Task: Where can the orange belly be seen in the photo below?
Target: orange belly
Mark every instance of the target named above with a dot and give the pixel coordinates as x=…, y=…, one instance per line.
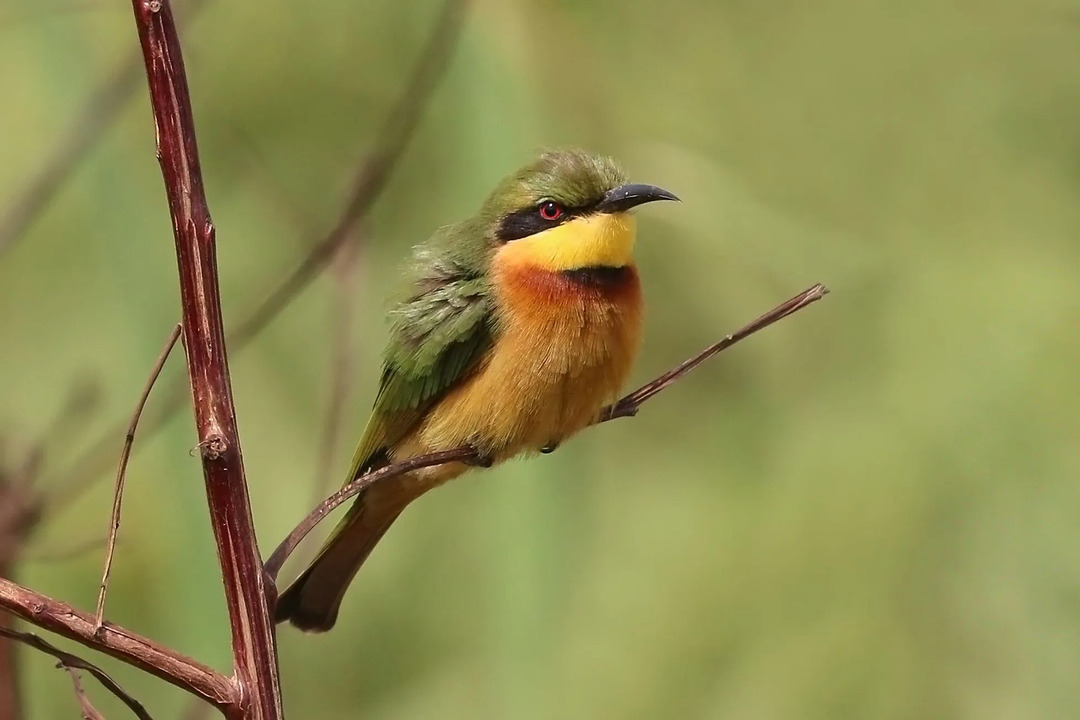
x=563, y=351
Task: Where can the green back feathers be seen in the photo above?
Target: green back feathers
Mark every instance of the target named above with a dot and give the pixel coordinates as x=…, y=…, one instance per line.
x=438, y=334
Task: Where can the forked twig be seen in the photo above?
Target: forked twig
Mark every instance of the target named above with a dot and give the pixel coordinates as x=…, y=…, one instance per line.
x=120, y=643
x=625, y=407
x=73, y=662
x=121, y=470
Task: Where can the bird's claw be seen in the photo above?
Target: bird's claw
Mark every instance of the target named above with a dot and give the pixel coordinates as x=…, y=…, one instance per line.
x=480, y=460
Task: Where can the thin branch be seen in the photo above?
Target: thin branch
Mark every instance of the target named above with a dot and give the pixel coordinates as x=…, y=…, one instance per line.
x=253, y=639
x=371, y=177
x=625, y=407
x=86, y=707
x=121, y=471
x=73, y=662
x=628, y=406
x=465, y=453
x=120, y=643
x=97, y=115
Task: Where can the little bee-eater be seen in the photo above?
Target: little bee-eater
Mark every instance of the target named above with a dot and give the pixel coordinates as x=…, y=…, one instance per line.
x=521, y=324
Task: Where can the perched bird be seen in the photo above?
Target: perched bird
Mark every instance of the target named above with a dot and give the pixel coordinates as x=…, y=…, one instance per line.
x=521, y=324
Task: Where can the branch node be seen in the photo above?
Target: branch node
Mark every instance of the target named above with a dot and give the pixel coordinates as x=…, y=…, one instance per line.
x=214, y=447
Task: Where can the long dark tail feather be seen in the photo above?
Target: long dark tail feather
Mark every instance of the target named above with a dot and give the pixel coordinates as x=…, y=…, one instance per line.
x=311, y=603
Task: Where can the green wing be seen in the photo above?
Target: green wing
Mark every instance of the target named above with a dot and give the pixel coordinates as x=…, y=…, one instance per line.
x=437, y=338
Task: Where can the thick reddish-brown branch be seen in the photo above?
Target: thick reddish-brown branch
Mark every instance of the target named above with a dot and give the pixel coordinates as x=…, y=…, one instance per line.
x=253, y=640
x=626, y=407
x=135, y=650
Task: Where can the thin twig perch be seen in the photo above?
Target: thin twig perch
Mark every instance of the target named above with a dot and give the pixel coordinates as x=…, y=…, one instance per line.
x=626, y=407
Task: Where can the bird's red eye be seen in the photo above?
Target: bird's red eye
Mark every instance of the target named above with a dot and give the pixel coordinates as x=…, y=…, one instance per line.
x=550, y=210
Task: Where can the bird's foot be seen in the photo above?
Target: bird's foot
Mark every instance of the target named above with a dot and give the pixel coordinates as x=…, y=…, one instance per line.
x=480, y=459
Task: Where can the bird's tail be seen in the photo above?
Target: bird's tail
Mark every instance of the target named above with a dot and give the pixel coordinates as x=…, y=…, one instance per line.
x=311, y=603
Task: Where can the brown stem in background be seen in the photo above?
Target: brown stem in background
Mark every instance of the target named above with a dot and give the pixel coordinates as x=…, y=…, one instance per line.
x=345, y=270
x=374, y=171
x=90, y=124
x=120, y=643
x=72, y=663
x=626, y=407
x=371, y=177
x=253, y=640
x=121, y=471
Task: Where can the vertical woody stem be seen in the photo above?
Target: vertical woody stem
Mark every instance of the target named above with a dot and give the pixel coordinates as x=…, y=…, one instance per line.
x=253, y=640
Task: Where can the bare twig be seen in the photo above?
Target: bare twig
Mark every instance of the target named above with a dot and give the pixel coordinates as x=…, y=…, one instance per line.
x=625, y=407
x=121, y=471
x=96, y=116
x=73, y=662
x=371, y=177
x=120, y=643
x=628, y=406
x=282, y=552
x=86, y=707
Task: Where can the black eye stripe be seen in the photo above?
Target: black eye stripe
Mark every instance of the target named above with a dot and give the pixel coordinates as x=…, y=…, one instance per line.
x=529, y=221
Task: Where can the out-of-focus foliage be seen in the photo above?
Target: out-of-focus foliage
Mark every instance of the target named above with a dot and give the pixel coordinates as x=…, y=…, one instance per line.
x=871, y=510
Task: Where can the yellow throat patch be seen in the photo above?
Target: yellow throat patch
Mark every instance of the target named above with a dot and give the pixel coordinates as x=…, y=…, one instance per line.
x=589, y=241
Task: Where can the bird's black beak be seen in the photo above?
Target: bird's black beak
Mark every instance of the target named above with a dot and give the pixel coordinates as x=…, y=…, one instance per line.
x=624, y=197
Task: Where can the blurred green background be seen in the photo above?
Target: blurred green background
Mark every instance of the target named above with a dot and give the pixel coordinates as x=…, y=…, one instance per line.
x=867, y=511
